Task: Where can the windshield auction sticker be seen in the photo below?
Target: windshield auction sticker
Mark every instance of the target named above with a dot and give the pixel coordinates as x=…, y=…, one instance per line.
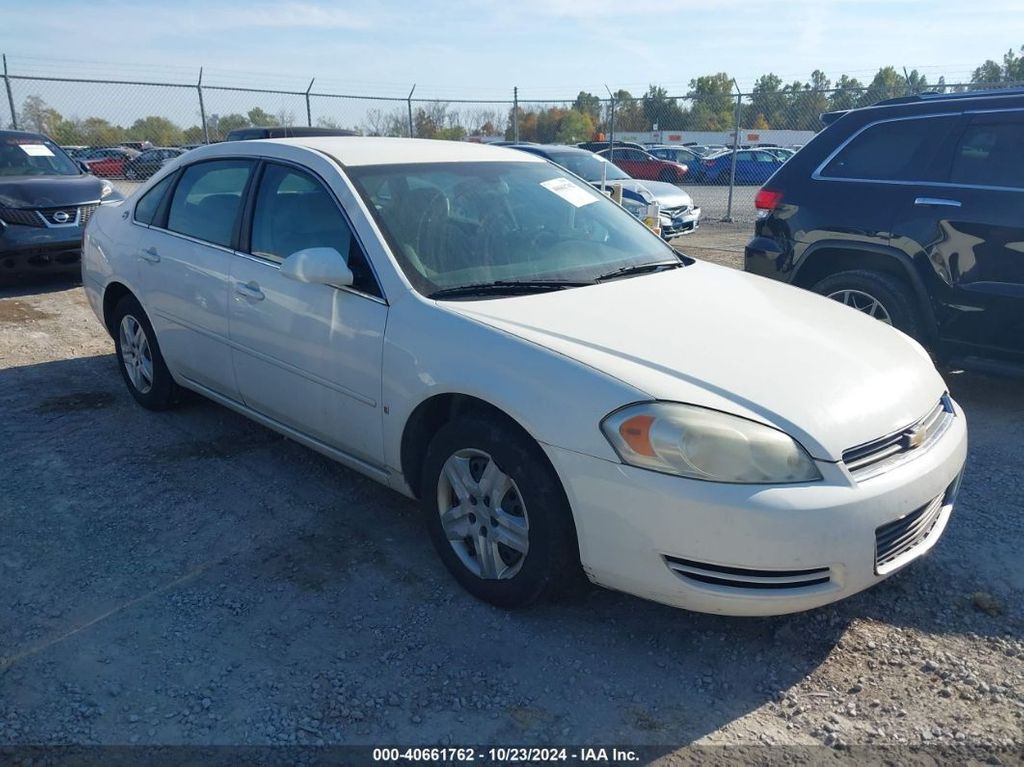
x=36, y=150
x=569, y=192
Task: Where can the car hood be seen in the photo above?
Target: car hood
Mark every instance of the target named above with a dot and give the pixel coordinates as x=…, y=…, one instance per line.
x=49, y=191
x=667, y=195
x=829, y=376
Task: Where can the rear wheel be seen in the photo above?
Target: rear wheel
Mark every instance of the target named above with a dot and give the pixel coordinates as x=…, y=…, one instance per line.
x=883, y=296
x=141, y=363
x=496, y=512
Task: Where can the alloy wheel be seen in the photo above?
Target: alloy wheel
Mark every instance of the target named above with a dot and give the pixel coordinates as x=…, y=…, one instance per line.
x=136, y=355
x=483, y=515
x=862, y=302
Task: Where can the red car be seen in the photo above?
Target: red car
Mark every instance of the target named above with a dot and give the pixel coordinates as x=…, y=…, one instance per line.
x=107, y=162
x=639, y=164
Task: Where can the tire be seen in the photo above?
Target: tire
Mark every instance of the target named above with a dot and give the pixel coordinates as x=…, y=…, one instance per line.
x=145, y=373
x=896, y=304
x=533, y=508
x=130, y=174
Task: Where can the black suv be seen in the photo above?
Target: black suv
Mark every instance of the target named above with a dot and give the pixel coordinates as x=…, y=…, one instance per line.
x=911, y=210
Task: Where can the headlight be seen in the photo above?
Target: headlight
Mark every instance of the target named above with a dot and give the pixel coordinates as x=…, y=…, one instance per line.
x=634, y=207
x=106, y=190
x=705, y=444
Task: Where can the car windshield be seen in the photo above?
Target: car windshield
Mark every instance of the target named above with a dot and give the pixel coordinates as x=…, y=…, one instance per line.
x=34, y=156
x=455, y=225
x=588, y=166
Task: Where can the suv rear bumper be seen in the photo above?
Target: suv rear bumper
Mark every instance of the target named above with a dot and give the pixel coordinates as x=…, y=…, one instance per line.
x=764, y=256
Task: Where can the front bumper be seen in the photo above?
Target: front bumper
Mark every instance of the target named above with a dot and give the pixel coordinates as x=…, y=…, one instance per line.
x=684, y=223
x=33, y=250
x=752, y=549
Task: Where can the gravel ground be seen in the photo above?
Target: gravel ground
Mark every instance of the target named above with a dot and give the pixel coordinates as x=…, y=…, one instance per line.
x=192, y=578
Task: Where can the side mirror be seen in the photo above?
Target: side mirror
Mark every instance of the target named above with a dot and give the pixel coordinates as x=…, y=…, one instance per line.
x=318, y=266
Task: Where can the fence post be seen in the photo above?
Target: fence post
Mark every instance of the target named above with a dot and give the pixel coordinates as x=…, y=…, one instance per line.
x=611, y=124
x=202, y=108
x=735, y=148
x=10, y=96
x=515, y=113
x=408, y=102
x=309, y=110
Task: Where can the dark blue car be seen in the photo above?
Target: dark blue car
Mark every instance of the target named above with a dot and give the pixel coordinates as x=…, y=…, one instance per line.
x=753, y=166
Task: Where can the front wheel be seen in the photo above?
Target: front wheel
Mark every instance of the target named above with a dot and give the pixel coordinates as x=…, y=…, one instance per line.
x=883, y=296
x=496, y=512
x=142, y=365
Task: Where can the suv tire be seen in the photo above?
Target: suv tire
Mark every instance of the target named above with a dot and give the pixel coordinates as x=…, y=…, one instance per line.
x=883, y=296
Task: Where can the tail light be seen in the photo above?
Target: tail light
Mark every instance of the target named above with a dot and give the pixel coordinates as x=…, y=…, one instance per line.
x=767, y=200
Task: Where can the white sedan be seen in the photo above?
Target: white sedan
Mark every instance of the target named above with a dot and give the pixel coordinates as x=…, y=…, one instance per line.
x=481, y=330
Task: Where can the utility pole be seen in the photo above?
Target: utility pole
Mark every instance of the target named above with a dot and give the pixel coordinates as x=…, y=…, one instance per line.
x=10, y=96
x=202, y=107
x=309, y=111
x=408, y=102
x=515, y=114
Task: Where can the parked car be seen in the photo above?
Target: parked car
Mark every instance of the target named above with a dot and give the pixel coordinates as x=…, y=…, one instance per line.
x=640, y=164
x=912, y=211
x=45, y=201
x=600, y=146
x=678, y=213
x=149, y=162
x=780, y=153
x=679, y=154
x=138, y=146
x=284, y=131
x=107, y=161
x=74, y=150
x=482, y=330
x=753, y=166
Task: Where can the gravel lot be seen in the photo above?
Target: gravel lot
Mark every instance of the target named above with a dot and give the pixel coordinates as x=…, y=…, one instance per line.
x=192, y=578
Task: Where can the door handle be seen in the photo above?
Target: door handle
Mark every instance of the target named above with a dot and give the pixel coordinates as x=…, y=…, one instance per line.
x=150, y=254
x=249, y=290
x=937, y=201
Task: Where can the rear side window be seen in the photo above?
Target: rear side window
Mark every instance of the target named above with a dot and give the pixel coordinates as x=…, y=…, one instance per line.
x=148, y=205
x=208, y=199
x=991, y=154
x=898, y=150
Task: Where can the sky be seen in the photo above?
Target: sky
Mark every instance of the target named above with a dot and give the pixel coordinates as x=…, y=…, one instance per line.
x=482, y=48
x=469, y=49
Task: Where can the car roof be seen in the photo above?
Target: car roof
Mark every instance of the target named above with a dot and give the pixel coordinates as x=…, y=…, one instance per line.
x=22, y=134
x=559, y=148
x=370, y=150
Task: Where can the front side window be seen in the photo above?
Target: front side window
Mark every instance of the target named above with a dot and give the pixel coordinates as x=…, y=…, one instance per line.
x=293, y=212
x=208, y=200
x=454, y=225
x=897, y=150
x=991, y=154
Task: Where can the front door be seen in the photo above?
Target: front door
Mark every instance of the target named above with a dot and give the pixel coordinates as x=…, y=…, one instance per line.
x=307, y=355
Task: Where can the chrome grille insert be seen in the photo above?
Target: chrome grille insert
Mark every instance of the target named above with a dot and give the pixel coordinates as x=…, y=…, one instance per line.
x=896, y=538
x=742, y=578
x=873, y=458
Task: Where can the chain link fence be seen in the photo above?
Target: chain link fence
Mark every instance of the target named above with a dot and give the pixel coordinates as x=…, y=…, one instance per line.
x=729, y=142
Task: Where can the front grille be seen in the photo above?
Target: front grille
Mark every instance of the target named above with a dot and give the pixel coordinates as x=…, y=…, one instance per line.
x=872, y=458
x=17, y=217
x=896, y=538
x=677, y=211
x=742, y=578
x=60, y=216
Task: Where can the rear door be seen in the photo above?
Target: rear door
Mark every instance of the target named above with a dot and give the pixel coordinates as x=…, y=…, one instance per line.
x=184, y=269
x=971, y=229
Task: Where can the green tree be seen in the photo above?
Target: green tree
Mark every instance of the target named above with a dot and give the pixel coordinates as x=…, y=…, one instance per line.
x=629, y=114
x=262, y=119
x=714, y=103
x=847, y=93
x=156, y=130
x=991, y=72
x=95, y=131
x=767, y=101
x=38, y=116
x=661, y=110
x=886, y=84
x=193, y=135
x=589, y=104
x=575, y=127
x=221, y=125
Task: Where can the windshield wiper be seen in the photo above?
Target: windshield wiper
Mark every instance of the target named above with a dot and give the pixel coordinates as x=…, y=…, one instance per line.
x=506, y=287
x=629, y=271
